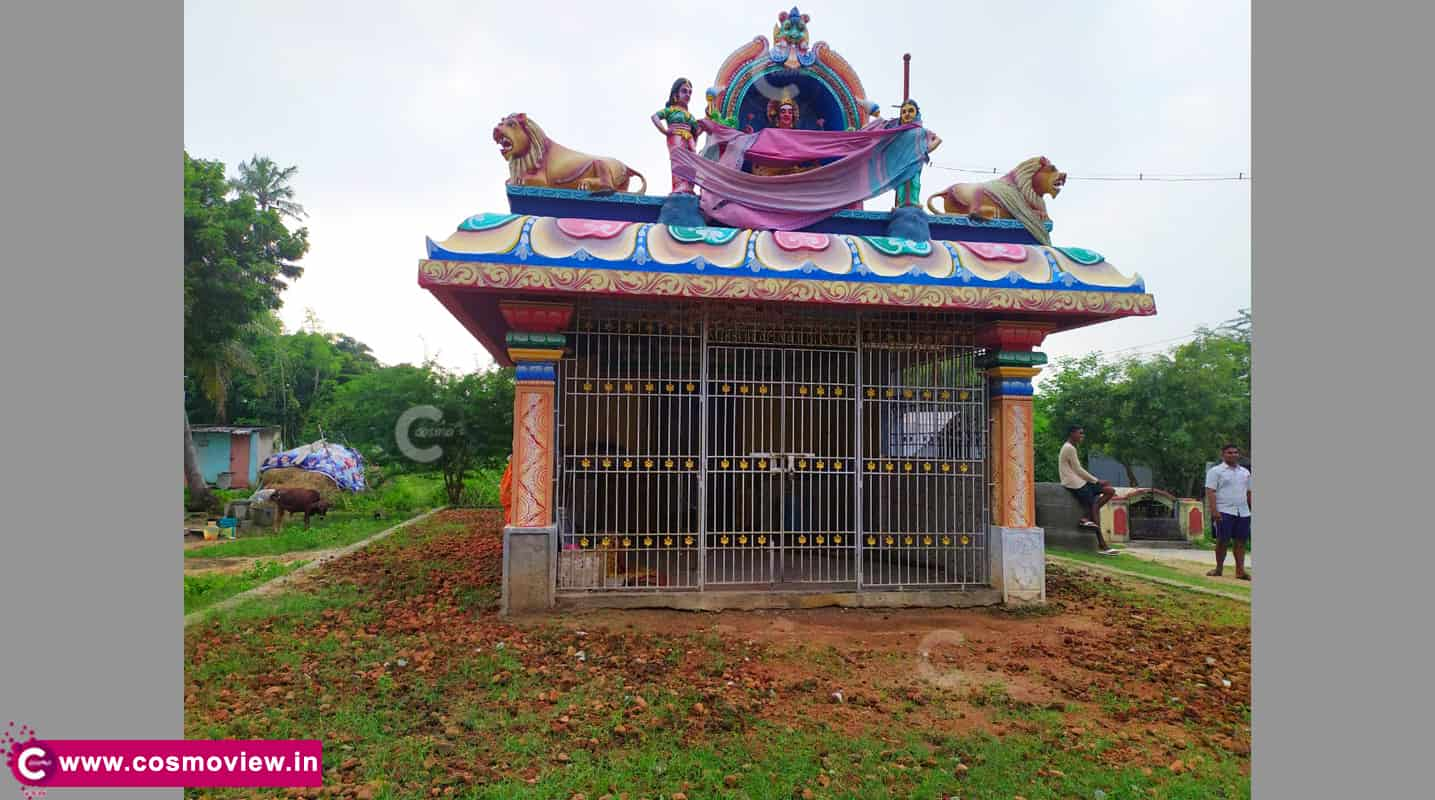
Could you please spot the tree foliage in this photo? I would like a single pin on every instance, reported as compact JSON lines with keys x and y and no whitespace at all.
{"x":238,"y":259}
{"x":240,"y":362}
{"x":474,"y":428}
{"x":268,"y":184}
{"x":1171,"y":412}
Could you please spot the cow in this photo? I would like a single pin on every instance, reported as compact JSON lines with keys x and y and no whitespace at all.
{"x":296,"y":500}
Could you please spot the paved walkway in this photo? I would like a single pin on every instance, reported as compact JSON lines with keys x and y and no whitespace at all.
{"x":1207,"y":557}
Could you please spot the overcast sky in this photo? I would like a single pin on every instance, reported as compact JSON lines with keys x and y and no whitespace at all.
{"x":387,"y":109}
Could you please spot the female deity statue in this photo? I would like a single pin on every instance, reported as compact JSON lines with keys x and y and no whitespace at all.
{"x":783,"y":114}
{"x":680,"y":128}
{"x":908,"y":193}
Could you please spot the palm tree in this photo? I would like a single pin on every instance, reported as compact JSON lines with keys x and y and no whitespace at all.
{"x":213,"y":369}
{"x":269,"y":185}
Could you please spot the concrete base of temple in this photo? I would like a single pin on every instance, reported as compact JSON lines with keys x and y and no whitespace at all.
{"x":682,"y":210}
{"x":793,"y":599}
{"x":1018,"y":565}
{"x":528,"y":570}
{"x":909,"y":222}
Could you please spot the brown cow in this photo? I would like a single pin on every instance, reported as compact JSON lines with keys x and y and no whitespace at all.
{"x":296,"y":500}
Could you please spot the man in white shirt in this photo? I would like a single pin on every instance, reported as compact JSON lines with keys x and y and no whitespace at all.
{"x":1228,"y":501}
{"x":1090,"y":491}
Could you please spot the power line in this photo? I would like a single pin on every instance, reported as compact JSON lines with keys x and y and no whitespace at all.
{"x":1172,"y":177}
{"x":1152,"y":344}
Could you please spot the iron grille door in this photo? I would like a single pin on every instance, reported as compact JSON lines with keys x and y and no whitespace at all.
{"x":819,"y":493}
{"x":744,"y":466}
{"x":629,"y":453}
{"x":780,"y":466}
{"x":924,"y":424}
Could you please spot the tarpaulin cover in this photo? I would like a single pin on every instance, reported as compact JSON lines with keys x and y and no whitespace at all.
{"x":343,"y":465}
{"x":868,"y":162}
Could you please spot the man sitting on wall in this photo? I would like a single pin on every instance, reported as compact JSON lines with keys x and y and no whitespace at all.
{"x":1090,"y":491}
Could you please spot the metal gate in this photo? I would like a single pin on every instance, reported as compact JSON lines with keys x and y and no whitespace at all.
{"x":766,"y":448}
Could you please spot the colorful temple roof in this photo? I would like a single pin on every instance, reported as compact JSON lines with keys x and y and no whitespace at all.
{"x":505,"y":253}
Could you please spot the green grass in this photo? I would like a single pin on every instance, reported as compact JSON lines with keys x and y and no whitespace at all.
{"x":1152,"y":569}
{"x":472,"y":724}
{"x":337,"y":530}
{"x":289,"y":608}
{"x":767,"y":761}
{"x":204,"y":590}
{"x":350,"y":520}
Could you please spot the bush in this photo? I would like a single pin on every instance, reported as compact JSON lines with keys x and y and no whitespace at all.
{"x":399,"y":494}
{"x":480,"y":490}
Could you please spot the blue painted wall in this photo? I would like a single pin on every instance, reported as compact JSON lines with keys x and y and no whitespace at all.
{"x":213,"y":451}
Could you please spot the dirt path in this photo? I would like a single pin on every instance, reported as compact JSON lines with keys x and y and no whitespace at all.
{"x":313,"y":558}
{"x":232,"y":564}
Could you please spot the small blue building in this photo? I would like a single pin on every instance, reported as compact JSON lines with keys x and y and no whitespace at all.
{"x":232,"y":454}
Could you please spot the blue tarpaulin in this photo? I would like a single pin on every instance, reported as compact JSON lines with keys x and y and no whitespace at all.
{"x":341,"y":464}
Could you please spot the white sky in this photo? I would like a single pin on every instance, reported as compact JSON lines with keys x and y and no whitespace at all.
{"x":388,"y":108}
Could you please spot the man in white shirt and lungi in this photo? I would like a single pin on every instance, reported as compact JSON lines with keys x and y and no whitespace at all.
{"x":1228,"y":500}
{"x":1090,"y":491}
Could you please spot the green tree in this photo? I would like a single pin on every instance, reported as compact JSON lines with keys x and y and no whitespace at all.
{"x":237,"y":261}
{"x":1087,"y":391}
{"x":1046,"y":443}
{"x":365,"y":411}
{"x":1171,"y":412}
{"x":268,"y":184}
{"x":477,"y":425}
{"x":1182,"y":407}
{"x":473,"y":429}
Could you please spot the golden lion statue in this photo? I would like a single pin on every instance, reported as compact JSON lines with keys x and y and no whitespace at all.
{"x":536,"y":160}
{"x":1015,"y":195}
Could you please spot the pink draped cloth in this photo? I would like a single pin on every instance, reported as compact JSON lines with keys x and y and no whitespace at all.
{"x":868,"y":163}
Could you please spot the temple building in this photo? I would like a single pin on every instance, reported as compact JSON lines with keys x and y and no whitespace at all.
{"x":749,"y":392}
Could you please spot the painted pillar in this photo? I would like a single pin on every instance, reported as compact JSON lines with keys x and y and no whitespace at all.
{"x":535,"y":345}
{"x":1016,"y":551}
{"x":1011,"y":363}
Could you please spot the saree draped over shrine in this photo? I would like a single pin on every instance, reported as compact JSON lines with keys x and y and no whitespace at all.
{"x":862,"y":164}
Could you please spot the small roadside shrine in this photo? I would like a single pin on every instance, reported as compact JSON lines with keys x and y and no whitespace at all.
{"x":749,"y":392}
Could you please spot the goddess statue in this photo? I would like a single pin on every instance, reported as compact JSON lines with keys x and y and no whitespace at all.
{"x":908,"y":194}
{"x":783,"y":113}
{"x":679,"y":126}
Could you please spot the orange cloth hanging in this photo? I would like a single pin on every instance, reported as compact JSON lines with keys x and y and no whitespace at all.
{"x":505,"y":493}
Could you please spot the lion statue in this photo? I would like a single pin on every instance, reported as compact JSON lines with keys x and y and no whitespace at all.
{"x":536,"y":160}
{"x":1015,"y":195}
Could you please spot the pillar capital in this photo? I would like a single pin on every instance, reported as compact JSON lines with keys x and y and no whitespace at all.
{"x":1013,"y":336}
{"x":535,"y":354}
{"x":534,"y":317}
